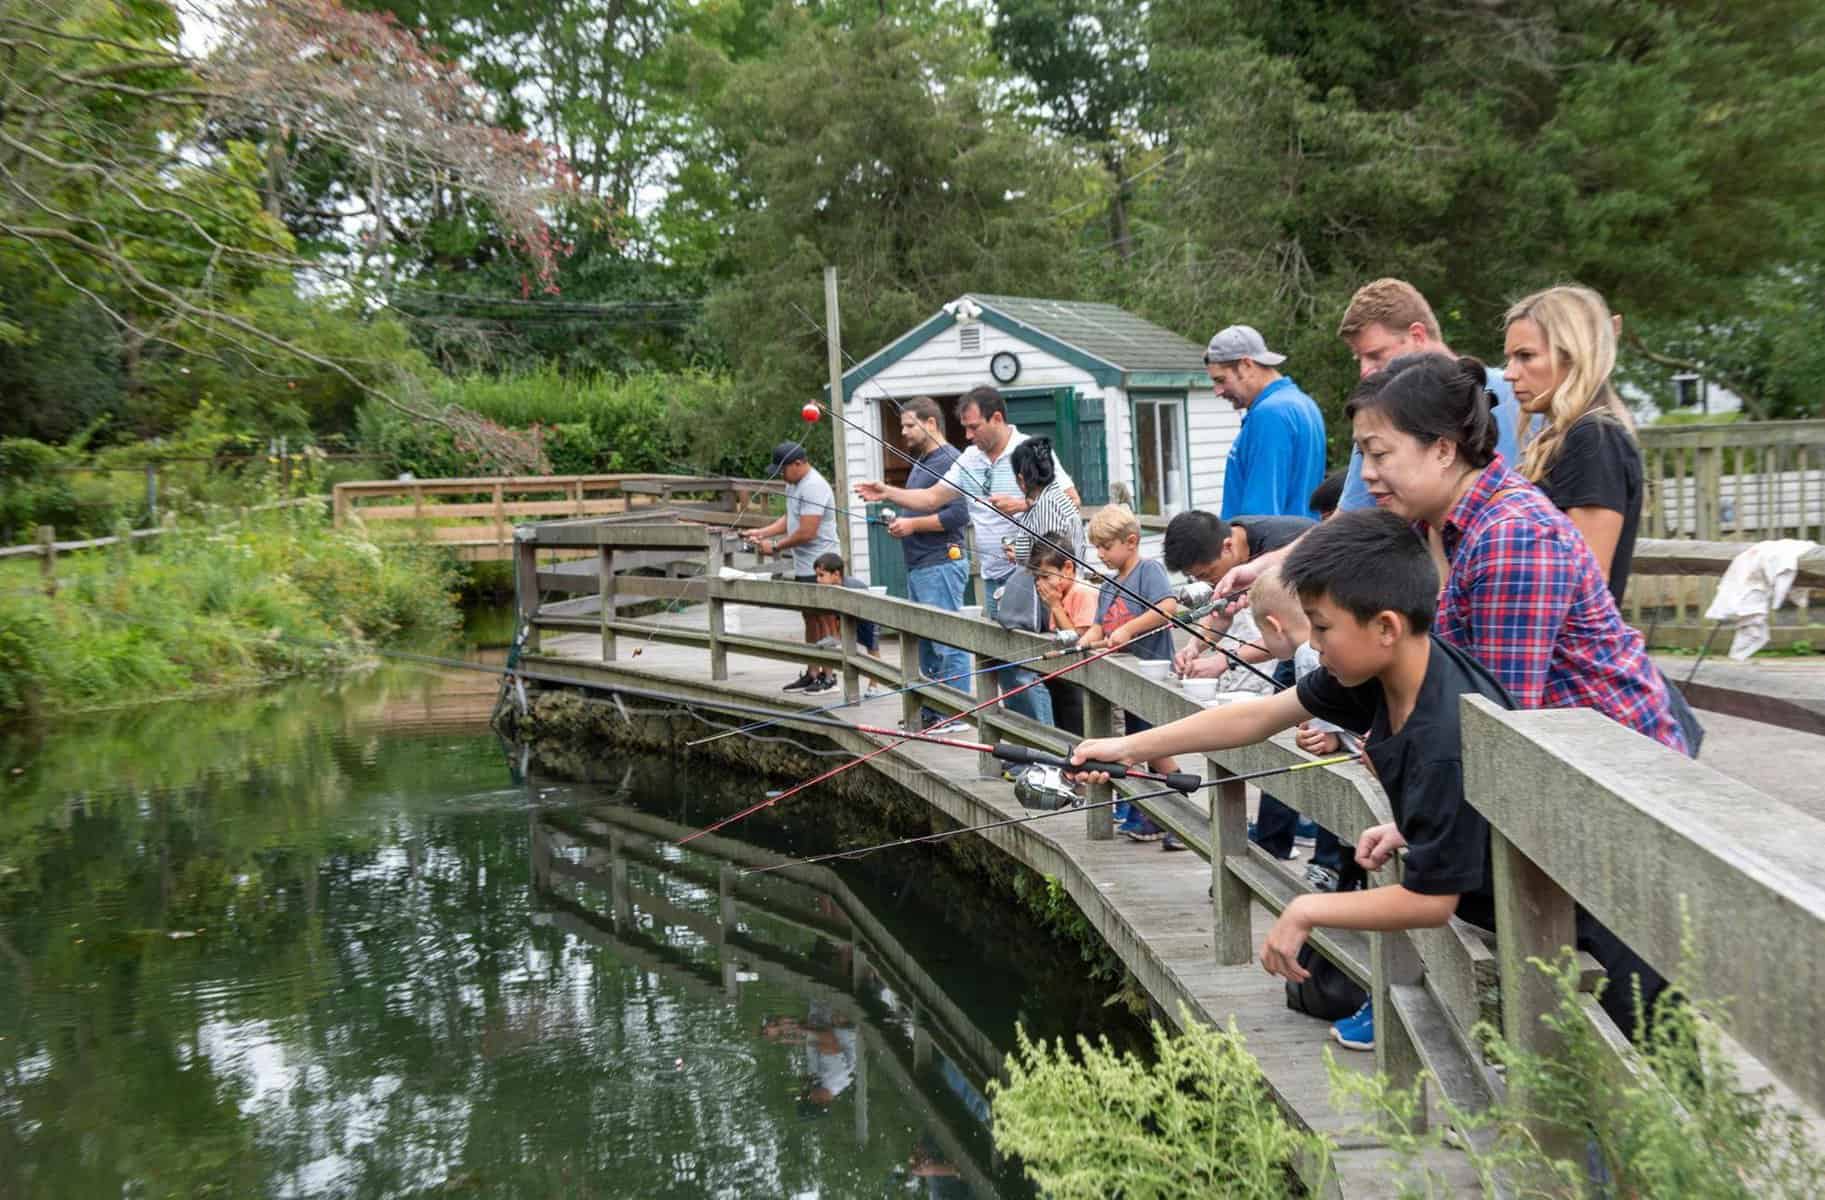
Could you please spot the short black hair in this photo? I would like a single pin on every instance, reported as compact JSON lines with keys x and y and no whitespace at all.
{"x":1193,"y":538}
{"x":830,"y":563}
{"x":1329,"y":491}
{"x":1433,"y":398}
{"x":985,"y":400}
{"x":1367,"y":561}
{"x":1031,"y":463}
{"x":1048,"y":554}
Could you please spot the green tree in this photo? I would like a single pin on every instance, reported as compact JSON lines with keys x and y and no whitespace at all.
{"x":871,"y":147}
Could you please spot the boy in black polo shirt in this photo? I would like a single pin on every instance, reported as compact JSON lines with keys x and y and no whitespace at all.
{"x":1369,"y":588}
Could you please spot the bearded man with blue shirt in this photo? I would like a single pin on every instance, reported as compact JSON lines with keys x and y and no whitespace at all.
{"x":1389,"y":318}
{"x":1278,"y":458}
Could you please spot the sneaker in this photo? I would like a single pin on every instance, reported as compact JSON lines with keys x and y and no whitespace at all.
{"x":1305,"y":833}
{"x":1123,"y":812}
{"x":823,"y":683}
{"x":831,"y":642}
{"x":942,"y":726}
{"x":1171,"y":842}
{"x":1149,"y":832}
{"x":1322,"y":879}
{"x":1356,"y":1031}
{"x":802,"y":684}
{"x":1133,"y":823}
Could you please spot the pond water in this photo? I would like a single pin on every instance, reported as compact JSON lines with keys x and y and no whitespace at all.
{"x":332,"y":940}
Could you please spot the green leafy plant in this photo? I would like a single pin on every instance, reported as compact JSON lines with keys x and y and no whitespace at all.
{"x":1198,"y":1121}
{"x":1683,"y":1126}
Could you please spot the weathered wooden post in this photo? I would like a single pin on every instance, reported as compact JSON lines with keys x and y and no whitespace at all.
{"x":987,"y":688}
{"x":47,"y":558}
{"x":500,"y":518}
{"x":526,"y":585}
{"x":605,"y":593}
{"x":1535,"y":918}
{"x":339,"y":504}
{"x":909,"y":675}
{"x":852,"y":678}
{"x":1231,"y":934}
{"x":1099,"y":721}
{"x":151,"y":493}
{"x":718,"y":545}
{"x":1394,"y":961}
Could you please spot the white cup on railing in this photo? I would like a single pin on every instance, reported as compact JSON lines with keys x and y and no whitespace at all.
{"x":1155,"y":668}
{"x":972,"y":611}
{"x":879,"y":589}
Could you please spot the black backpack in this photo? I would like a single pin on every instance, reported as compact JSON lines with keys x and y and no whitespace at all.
{"x":1328,"y":993}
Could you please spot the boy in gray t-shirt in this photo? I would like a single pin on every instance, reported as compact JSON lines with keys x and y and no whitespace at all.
{"x":809,"y":530}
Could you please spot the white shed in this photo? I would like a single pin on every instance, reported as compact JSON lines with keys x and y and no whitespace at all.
{"x":1123,"y":400}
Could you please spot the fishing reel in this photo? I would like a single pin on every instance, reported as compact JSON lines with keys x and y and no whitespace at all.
{"x":1045,"y":788}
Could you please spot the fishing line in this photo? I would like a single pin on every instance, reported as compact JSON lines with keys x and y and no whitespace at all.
{"x":911,"y":687}
{"x":1246,"y":777}
{"x":901,"y":740}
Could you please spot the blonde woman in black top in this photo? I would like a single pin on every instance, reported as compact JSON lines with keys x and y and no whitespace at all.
{"x":1561,"y":347}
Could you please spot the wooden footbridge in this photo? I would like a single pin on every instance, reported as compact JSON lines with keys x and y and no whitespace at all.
{"x":1583,"y":812}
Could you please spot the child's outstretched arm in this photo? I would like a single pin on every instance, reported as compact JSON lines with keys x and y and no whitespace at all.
{"x":1213,"y":729}
{"x":1382,"y":909}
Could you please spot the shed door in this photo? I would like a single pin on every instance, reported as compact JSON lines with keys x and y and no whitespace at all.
{"x":1075,"y":425}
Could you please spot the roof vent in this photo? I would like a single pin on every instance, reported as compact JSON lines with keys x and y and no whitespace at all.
{"x":969,"y":339}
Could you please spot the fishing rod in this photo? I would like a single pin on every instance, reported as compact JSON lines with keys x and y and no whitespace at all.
{"x":813,"y":407}
{"x":911,"y":687}
{"x":900,"y":739}
{"x":1335,"y":760}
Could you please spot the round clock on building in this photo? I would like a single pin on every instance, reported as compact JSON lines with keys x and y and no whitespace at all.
{"x":1005,"y":367}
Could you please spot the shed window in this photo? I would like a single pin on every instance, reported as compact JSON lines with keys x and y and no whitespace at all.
{"x":1159,"y":456}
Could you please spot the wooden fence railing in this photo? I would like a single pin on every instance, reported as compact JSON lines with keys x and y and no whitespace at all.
{"x":476,"y":517}
{"x":1583,"y":810}
{"x":1715,"y":483}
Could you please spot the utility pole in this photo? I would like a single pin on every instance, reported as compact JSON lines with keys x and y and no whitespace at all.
{"x":833,"y":340}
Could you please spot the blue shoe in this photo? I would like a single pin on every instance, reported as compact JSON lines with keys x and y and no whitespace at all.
{"x":1356,"y":1031}
{"x":1124,"y":812}
{"x":1305,"y":833}
{"x":1135,"y":823}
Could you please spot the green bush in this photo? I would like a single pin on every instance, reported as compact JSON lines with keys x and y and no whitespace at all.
{"x":200,"y":609}
{"x":1197,"y":1122}
{"x":1685,"y":1126}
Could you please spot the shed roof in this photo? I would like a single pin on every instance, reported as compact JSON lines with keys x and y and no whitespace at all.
{"x":1112,"y":334}
{"x":1114,"y":346}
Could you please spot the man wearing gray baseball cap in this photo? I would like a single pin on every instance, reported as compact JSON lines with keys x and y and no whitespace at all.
{"x":1278,"y":458}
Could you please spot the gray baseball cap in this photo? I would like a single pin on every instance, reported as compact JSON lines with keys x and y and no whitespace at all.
{"x":1241,"y":341}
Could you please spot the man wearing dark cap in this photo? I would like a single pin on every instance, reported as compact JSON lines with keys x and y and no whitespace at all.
{"x":1278,"y":458}
{"x":809,"y":527}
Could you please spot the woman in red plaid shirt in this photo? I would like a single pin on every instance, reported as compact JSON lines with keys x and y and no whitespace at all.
{"x":1523,"y":592}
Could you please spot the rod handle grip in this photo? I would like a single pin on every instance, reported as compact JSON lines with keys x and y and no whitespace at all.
{"x":1008,"y":752}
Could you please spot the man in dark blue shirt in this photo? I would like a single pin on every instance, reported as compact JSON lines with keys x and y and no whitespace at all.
{"x":936,"y":570}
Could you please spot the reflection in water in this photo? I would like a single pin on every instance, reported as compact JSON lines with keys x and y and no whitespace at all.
{"x":306,"y":943}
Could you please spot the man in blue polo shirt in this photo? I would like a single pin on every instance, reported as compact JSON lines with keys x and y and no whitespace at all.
{"x":1278,"y":458}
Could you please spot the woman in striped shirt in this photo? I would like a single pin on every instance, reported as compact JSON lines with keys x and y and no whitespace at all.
{"x":1050,"y":509}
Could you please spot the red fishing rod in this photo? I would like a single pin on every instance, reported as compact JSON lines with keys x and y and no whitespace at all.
{"x":900,"y":739}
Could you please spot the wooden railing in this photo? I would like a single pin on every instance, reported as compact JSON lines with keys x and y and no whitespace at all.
{"x":1595,"y":812}
{"x":1715,"y":483}
{"x":476,"y":516}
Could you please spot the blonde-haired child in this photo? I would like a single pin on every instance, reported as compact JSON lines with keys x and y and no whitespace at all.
{"x":1286,"y":632}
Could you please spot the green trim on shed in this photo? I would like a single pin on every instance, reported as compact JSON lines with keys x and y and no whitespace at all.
{"x":1105,"y":373}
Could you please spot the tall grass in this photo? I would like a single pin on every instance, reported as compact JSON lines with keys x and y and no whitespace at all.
{"x":199,"y":610}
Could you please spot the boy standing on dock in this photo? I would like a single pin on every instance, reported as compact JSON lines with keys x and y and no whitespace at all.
{"x":1369,"y":589}
{"x":1115,"y":533}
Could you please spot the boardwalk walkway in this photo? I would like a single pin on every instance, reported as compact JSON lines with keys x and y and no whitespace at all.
{"x":1151,"y":906}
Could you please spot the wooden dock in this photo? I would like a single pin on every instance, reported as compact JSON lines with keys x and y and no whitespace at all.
{"x":1654,"y":830}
